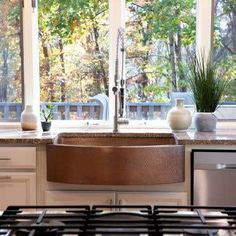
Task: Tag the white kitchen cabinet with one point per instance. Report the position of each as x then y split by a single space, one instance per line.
79 197
17 189
117 198
151 198
17 176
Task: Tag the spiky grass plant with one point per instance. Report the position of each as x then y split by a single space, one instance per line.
47 112
207 83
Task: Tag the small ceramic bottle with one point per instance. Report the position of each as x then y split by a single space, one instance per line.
29 119
179 118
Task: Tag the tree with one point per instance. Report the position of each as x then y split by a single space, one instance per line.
166 31
81 24
225 41
10 60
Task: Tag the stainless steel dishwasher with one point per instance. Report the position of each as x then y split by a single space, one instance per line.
213 179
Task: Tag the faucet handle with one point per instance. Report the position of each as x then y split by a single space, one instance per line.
114 89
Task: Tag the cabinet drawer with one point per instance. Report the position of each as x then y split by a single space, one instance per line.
79 198
17 157
152 198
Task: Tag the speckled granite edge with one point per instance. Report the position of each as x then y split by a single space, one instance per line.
30 141
222 137
206 142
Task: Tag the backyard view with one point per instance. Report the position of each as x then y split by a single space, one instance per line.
225 41
10 58
160 35
74 54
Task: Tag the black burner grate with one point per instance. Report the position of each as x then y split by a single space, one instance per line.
117 220
195 220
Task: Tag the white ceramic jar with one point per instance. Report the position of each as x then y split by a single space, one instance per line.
179 118
29 119
205 121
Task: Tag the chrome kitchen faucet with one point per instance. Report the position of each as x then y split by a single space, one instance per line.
118 89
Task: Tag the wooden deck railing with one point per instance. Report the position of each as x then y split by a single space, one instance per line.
91 110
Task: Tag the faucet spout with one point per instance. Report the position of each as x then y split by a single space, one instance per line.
119 82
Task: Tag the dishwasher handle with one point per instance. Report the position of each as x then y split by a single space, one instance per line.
219 166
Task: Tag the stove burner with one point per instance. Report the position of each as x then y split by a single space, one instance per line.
44 225
196 231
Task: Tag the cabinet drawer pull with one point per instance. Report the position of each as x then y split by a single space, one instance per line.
5 177
5 159
120 202
110 202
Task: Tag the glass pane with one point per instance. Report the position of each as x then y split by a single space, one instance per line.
225 43
159 35
74 58
10 61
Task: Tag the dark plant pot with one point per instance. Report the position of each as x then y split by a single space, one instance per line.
46 125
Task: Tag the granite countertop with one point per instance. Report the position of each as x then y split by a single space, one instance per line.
220 137
17 136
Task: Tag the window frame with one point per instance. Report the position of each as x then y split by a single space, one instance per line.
31 86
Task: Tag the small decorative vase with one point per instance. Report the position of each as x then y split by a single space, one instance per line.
46 125
179 118
205 121
29 119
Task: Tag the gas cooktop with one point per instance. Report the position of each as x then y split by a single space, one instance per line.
118 220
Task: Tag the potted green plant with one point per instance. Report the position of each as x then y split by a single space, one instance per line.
207 82
47 113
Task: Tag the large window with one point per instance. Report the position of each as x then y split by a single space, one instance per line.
10 61
225 43
74 57
160 34
77 42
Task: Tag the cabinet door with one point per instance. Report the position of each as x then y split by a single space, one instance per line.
17 189
79 197
17 158
152 198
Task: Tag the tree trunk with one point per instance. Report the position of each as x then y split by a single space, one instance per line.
46 57
47 69
172 62
145 61
63 83
234 29
178 52
4 81
101 62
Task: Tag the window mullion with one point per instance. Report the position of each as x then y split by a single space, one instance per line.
205 24
31 55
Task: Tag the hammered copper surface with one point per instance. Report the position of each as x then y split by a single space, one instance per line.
116 141
127 165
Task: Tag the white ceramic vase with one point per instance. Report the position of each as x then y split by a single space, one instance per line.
29 119
179 118
205 121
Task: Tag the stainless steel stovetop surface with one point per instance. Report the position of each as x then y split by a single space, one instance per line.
120 220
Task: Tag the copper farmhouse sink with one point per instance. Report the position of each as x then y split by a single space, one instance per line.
115 159
110 139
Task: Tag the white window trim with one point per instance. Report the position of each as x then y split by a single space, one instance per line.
31 55
205 27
